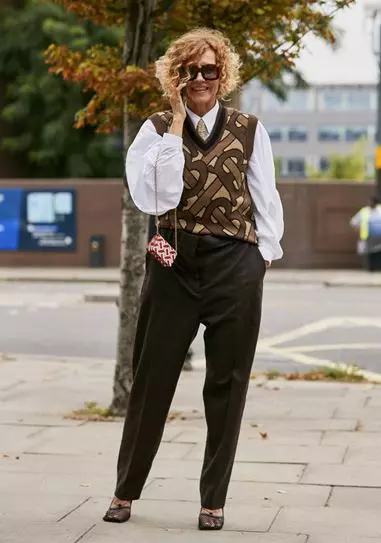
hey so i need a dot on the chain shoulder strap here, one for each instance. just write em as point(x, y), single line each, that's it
point(156, 209)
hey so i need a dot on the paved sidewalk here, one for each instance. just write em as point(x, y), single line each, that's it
point(308, 465)
point(111, 276)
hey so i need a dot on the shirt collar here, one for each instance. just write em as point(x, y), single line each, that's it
point(209, 118)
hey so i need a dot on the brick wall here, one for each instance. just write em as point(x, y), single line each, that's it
point(317, 233)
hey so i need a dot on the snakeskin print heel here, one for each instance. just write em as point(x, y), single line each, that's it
point(206, 521)
point(117, 513)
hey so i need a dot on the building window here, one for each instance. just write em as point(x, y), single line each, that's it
point(359, 99)
point(333, 99)
point(355, 133)
point(347, 99)
point(287, 133)
point(297, 133)
point(331, 133)
point(296, 100)
point(275, 133)
point(296, 167)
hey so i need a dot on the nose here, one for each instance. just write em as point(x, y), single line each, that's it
point(199, 77)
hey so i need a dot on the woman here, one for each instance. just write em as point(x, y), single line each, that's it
point(214, 166)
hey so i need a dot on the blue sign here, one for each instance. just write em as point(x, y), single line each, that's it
point(37, 220)
point(10, 212)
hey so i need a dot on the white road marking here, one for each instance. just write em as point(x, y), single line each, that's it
point(333, 347)
point(296, 353)
point(318, 326)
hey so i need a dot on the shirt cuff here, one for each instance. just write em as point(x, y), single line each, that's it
point(172, 140)
point(266, 254)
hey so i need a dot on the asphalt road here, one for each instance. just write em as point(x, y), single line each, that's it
point(303, 325)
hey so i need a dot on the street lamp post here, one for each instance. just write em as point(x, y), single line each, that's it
point(378, 128)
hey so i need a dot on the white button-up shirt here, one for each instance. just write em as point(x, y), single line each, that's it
point(149, 150)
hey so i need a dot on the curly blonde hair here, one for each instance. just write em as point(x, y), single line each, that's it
point(188, 48)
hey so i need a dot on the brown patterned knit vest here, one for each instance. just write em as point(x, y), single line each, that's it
point(216, 199)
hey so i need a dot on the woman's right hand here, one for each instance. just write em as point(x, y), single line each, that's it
point(177, 103)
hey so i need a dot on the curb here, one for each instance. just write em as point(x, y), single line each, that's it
point(51, 279)
point(100, 298)
point(352, 284)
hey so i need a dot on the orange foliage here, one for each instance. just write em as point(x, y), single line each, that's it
point(267, 34)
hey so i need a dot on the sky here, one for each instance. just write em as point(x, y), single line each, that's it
point(354, 61)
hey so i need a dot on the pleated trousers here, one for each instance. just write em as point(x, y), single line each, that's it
point(217, 282)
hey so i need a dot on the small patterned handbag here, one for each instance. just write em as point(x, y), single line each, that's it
point(161, 250)
point(158, 247)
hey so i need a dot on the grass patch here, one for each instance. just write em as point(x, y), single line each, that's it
point(273, 374)
point(349, 374)
point(92, 412)
point(346, 374)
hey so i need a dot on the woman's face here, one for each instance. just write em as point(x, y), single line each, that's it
point(201, 93)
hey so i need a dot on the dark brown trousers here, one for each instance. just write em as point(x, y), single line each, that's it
point(216, 282)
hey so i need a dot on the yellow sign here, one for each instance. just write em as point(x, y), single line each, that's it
point(377, 158)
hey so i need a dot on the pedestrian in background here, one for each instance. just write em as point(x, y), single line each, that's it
point(207, 171)
point(367, 222)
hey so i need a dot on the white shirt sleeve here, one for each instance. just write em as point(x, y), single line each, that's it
point(150, 151)
point(268, 210)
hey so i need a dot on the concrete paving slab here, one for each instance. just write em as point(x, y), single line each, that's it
point(351, 498)
point(55, 485)
point(17, 439)
point(257, 494)
point(73, 461)
point(60, 465)
point(242, 471)
point(253, 434)
point(340, 475)
point(303, 425)
point(93, 438)
point(371, 426)
point(42, 506)
point(352, 439)
point(267, 451)
point(137, 534)
point(362, 414)
point(330, 522)
point(36, 532)
point(319, 389)
point(178, 515)
point(335, 539)
point(364, 456)
point(21, 418)
point(274, 412)
point(307, 404)
point(374, 400)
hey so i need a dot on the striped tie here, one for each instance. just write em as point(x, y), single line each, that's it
point(201, 130)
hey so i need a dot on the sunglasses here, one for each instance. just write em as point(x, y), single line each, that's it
point(210, 72)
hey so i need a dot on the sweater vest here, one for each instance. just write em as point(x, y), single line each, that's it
point(216, 199)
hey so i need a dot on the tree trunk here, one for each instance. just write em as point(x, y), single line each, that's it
point(137, 51)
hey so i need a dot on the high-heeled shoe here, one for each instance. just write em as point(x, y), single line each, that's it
point(207, 521)
point(117, 513)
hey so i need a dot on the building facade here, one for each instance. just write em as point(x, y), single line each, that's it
point(313, 124)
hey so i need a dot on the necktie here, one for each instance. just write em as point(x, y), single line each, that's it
point(201, 130)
